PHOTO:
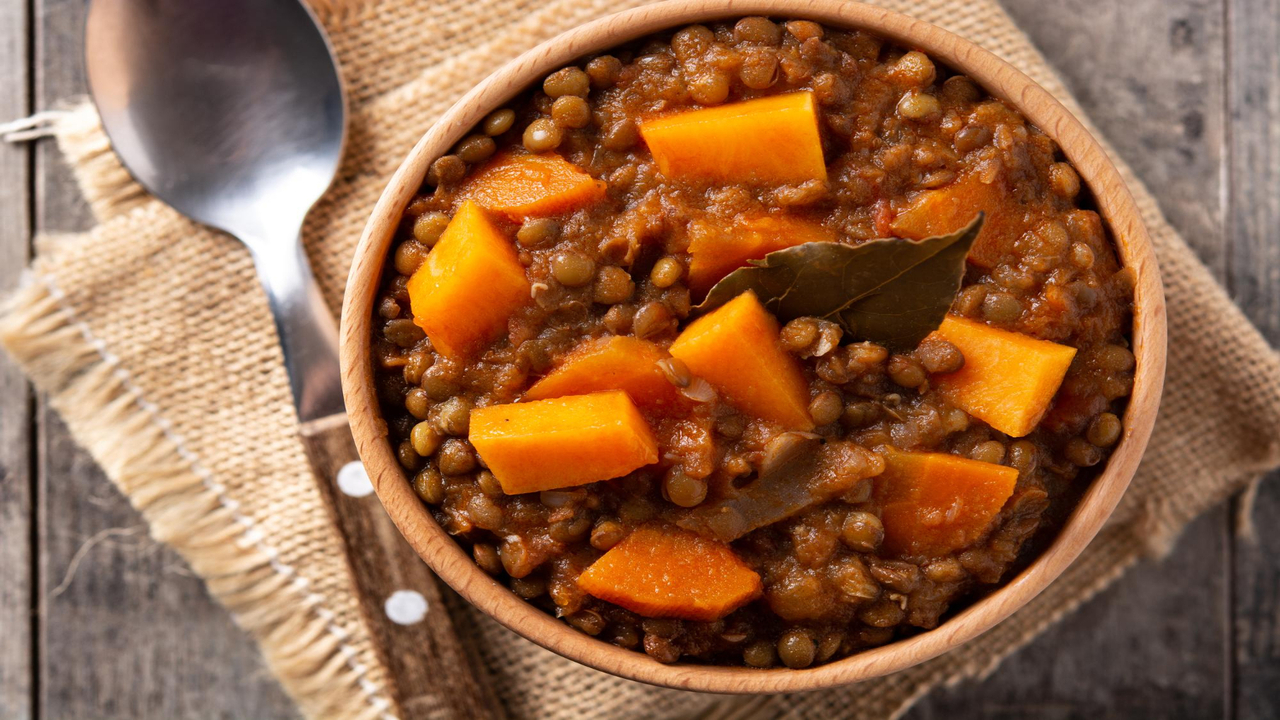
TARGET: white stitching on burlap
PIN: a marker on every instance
(252, 536)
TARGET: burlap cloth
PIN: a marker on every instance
(152, 338)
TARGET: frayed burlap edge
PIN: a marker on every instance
(186, 507)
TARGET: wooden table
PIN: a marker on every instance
(97, 621)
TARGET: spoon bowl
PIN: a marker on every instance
(263, 139)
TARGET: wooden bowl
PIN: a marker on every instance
(456, 567)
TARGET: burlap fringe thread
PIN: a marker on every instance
(186, 507)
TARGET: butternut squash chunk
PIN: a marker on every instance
(949, 208)
(716, 251)
(522, 186)
(769, 140)
(610, 363)
(737, 349)
(665, 572)
(562, 442)
(934, 504)
(1008, 379)
(469, 285)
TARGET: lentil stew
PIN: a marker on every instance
(567, 415)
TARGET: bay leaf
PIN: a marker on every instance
(891, 291)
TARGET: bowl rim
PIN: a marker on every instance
(456, 567)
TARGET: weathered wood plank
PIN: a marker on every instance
(1253, 225)
(127, 631)
(1149, 647)
(1151, 75)
(1256, 598)
(16, 509)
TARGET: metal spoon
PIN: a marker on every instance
(233, 112)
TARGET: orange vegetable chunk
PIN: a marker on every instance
(949, 208)
(610, 363)
(716, 251)
(469, 285)
(1008, 379)
(522, 186)
(562, 442)
(662, 571)
(934, 504)
(737, 349)
(769, 140)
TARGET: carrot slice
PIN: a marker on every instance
(770, 140)
(660, 571)
(737, 349)
(1008, 379)
(523, 186)
(610, 363)
(473, 267)
(563, 442)
(934, 504)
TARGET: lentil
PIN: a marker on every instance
(569, 81)
(425, 439)
(666, 272)
(429, 485)
(446, 170)
(826, 407)
(499, 121)
(572, 269)
(862, 531)
(409, 255)
(571, 111)
(542, 135)
(476, 149)
(796, 649)
(428, 227)
(537, 232)
(1105, 430)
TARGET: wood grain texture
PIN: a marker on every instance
(16, 501)
(455, 567)
(1149, 647)
(1157, 94)
(126, 631)
(427, 660)
(1253, 221)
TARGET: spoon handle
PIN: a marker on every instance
(425, 658)
(308, 334)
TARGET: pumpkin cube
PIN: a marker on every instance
(769, 140)
(1008, 379)
(523, 186)
(716, 250)
(469, 285)
(949, 208)
(665, 572)
(934, 504)
(610, 363)
(736, 348)
(562, 442)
